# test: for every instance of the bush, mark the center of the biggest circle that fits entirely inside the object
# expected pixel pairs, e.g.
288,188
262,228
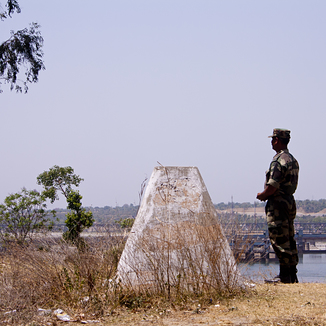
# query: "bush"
22,215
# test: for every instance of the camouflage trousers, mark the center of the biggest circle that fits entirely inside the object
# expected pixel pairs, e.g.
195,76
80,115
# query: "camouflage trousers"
280,214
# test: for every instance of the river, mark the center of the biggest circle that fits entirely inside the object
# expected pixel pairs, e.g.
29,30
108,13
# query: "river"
311,268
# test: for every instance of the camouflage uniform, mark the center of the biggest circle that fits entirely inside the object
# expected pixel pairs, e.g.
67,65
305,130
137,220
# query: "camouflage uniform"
281,208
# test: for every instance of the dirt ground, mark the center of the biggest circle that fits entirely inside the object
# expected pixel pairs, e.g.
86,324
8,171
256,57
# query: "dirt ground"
264,304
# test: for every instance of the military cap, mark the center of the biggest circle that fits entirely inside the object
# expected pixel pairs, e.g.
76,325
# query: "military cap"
281,133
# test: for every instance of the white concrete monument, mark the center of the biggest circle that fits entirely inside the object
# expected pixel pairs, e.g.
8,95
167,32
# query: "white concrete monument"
176,236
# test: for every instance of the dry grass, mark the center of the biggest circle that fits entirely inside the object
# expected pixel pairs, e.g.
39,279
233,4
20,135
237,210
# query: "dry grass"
53,275
187,263
188,279
50,274
282,304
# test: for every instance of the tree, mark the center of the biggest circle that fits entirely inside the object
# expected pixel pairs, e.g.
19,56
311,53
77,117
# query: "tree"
23,214
61,179
23,50
78,219
126,223
58,179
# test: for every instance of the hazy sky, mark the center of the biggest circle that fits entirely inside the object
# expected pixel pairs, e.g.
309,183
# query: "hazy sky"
182,82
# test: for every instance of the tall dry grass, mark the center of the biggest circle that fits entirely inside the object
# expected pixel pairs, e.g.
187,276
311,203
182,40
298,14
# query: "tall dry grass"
184,263
51,274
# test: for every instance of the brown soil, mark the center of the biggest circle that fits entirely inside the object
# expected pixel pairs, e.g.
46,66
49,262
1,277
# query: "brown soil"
264,304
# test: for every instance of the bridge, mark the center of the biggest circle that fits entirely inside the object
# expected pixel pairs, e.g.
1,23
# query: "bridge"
251,242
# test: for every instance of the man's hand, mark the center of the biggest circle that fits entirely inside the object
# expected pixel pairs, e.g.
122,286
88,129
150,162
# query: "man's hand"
260,196
268,191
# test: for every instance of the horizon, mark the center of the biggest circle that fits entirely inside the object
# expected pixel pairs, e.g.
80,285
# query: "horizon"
261,204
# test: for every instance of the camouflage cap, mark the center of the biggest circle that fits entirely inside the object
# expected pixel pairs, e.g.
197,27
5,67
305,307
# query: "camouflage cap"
281,133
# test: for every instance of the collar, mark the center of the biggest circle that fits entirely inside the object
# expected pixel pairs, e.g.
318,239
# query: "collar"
281,152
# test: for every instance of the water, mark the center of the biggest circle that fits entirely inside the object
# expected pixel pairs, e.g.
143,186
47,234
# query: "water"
311,268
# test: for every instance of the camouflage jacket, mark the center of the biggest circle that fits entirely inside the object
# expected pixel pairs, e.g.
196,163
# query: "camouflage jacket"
283,174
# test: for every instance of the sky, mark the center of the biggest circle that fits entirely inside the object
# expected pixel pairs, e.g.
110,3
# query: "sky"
129,84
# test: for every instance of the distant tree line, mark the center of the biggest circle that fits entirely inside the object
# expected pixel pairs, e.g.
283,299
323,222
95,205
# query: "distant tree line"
229,205
311,219
108,214
309,206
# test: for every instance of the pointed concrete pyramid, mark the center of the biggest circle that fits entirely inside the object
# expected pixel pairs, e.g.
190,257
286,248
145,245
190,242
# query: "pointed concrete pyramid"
176,236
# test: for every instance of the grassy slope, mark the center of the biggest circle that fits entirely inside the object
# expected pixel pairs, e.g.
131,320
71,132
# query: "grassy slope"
282,304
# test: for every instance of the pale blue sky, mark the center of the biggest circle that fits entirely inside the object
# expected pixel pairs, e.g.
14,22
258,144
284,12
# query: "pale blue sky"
187,83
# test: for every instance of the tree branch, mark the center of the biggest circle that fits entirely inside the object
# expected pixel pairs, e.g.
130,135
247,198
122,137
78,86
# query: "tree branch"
22,49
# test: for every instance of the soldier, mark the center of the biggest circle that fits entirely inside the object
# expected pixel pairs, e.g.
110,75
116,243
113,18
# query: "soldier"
281,183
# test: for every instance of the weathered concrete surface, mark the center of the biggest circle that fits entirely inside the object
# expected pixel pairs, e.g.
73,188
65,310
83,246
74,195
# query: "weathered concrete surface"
176,233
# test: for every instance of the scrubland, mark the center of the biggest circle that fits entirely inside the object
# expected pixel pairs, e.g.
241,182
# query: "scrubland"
49,274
